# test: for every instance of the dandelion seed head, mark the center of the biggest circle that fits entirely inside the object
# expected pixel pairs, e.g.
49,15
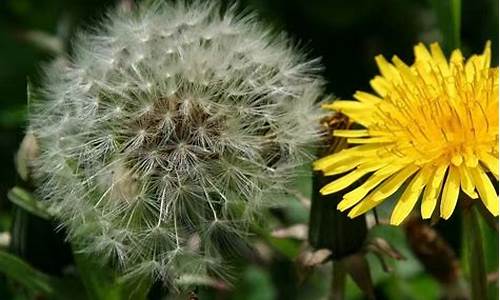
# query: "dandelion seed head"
168,124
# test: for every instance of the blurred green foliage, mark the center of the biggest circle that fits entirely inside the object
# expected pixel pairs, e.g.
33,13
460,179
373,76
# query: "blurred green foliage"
345,34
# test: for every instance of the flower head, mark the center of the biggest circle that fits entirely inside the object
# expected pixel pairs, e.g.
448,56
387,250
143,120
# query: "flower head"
169,130
431,128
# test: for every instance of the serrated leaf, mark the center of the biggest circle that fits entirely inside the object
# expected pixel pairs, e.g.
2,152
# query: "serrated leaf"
24,199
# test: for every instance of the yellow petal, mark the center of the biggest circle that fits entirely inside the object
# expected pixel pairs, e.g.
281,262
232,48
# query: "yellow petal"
371,140
471,66
386,189
362,208
350,133
356,195
486,190
390,186
421,53
386,69
355,110
487,54
470,158
476,63
409,198
367,98
456,58
406,71
344,181
369,163
432,190
343,166
466,182
345,105
457,159
439,58
380,85
450,192
331,161
491,162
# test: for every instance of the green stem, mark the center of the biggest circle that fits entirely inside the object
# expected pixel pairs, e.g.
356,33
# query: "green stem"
337,288
474,253
456,9
448,14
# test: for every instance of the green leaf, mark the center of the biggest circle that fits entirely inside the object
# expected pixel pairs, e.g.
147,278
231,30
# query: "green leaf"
38,282
18,270
448,15
24,199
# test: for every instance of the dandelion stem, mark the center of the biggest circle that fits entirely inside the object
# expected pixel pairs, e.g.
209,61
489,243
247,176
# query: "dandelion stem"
448,13
474,253
337,288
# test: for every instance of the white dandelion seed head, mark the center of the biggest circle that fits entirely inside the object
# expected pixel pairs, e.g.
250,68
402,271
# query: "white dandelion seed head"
168,130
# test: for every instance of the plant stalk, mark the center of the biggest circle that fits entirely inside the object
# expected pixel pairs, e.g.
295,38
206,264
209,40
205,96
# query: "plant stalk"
474,253
448,13
337,286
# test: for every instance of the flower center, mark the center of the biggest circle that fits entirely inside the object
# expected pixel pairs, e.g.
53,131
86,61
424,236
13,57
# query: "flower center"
446,121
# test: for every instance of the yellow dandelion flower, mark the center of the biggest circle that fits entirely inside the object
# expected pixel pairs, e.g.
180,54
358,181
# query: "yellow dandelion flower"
431,128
